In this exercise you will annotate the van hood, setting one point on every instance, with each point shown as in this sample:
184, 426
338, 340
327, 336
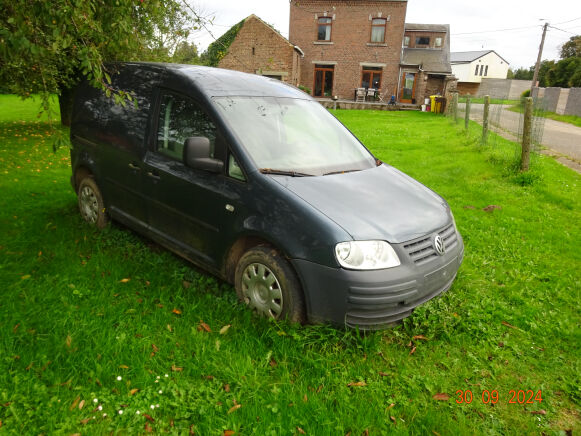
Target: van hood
381, 203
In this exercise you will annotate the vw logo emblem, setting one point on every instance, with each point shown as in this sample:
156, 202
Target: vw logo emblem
439, 245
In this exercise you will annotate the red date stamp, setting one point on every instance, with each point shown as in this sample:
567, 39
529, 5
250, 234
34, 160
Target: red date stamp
492, 397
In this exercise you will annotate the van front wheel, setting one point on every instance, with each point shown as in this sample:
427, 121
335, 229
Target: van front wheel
266, 282
91, 203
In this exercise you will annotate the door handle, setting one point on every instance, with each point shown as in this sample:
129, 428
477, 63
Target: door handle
153, 175
134, 167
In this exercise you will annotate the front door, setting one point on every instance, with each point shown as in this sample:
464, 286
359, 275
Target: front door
323, 81
408, 88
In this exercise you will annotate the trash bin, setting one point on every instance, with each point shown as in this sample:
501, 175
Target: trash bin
433, 103
441, 103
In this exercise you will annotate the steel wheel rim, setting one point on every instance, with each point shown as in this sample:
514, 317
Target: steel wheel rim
262, 291
89, 204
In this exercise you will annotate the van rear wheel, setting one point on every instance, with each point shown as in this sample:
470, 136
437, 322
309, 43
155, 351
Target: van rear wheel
266, 282
91, 203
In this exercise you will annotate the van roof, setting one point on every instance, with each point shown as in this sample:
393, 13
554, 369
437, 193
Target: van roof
218, 82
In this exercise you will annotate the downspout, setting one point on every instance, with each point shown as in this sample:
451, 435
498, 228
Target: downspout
400, 62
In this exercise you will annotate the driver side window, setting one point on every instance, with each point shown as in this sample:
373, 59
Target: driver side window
179, 119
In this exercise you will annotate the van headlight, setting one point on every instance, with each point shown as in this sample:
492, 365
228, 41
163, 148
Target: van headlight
366, 255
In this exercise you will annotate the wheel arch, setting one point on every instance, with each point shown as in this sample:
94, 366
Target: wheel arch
247, 242
80, 173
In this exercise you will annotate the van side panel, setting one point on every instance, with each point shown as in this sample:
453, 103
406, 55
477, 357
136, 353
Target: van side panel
114, 136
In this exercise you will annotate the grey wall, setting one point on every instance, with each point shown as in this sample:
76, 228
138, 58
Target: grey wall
503, 88
573, 106
551, 99
517, 87
563, 101
495, 88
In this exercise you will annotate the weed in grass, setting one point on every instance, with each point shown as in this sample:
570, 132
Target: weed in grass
81, 308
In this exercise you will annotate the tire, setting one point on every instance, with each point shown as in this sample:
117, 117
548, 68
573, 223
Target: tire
91, 203
267, 283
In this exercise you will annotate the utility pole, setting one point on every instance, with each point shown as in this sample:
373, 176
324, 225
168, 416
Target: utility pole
538, 64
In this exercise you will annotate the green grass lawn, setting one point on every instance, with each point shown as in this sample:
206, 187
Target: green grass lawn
571, 119
105, 332
480, 100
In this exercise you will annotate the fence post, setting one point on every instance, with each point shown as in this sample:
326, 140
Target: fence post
467, 116
455, 106
485, 119
527, 135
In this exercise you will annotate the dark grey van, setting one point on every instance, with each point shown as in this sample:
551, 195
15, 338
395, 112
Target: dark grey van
256, 182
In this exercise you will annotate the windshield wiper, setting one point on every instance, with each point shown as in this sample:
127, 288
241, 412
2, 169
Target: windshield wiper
284, 172
340, 172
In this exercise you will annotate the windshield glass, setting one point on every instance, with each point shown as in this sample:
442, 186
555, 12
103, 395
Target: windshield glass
292, 135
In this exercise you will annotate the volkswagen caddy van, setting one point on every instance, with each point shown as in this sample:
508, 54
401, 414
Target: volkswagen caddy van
254, 181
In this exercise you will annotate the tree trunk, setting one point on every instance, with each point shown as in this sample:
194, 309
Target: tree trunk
66, 105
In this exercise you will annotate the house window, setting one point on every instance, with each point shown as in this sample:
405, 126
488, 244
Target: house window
438, 42
406, 41
371, 77
476, 72
422, 40
486, 71
378, 30
323, 80
324, 30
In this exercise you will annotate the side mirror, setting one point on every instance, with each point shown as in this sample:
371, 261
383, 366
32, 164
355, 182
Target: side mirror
197, 155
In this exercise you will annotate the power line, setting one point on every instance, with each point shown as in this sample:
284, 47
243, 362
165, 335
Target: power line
574, 19
566, 31
497, 30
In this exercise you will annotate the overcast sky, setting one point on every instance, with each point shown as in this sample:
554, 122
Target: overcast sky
475, 25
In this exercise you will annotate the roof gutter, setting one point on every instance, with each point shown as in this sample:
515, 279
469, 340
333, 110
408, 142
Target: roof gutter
297, 48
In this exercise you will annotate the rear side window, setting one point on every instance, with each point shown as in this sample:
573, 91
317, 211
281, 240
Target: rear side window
180, 119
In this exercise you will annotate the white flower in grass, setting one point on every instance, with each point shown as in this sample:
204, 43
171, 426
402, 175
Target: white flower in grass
95, 400
137, 412
104, 415
157, 381
100, 407
157, 405
152, 407
121, 412
158, 377
160, 392
166, 375
119, 378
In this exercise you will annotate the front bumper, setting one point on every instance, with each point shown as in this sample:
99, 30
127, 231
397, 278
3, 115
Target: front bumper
373, 300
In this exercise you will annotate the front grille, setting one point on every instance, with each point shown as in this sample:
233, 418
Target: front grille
422, 250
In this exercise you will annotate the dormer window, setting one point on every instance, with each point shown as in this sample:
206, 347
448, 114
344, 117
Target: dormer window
438, 42
378, 30
324, 29
406, 41
422, 40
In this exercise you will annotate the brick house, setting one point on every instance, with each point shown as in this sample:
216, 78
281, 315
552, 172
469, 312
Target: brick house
348, 44
259, 49
426, 68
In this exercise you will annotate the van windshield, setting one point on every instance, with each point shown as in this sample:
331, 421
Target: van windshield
293, 136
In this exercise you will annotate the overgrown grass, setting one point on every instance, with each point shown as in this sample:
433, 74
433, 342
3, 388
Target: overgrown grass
91, 315
571, 119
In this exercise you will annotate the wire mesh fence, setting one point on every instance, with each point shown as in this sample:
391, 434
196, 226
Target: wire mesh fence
501, 116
